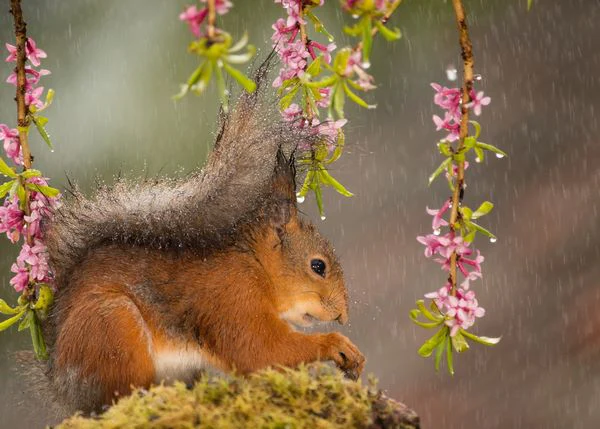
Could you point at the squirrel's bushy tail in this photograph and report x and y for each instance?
(203, 211)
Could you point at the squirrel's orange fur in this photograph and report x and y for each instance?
(137, 304)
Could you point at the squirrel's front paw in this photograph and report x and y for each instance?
(345, 355)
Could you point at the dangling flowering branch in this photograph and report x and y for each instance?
(215, 47)
(454, 308)
(28, 200)
(303, 97)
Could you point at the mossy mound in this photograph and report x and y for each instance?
(315, 396)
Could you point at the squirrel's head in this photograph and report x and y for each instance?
(306, 276)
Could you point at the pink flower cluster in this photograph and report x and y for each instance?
(294, 54)
(462, 308)
(32, 262)
(449, 99)
(195, 17)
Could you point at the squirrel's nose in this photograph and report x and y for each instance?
(342, 318)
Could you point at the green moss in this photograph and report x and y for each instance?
(315, 396)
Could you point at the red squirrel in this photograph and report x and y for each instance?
(159, 280)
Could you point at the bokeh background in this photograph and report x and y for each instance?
(116, 64)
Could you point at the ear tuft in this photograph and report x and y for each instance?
(283, 184)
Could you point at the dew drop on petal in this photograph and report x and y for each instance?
(436, 232)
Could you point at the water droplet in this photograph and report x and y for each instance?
(493, 239)
(499, 155)
(436, 232)
(323, 217)
(477, 159)
(300, 199)
(52, 150)
(355, 16)
(477, 77)
(451, 73)
(365, 65)
(372, 106)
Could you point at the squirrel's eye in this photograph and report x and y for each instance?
(318, 266)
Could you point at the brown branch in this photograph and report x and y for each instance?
(22, 108)
(212, 17)
(467, 56)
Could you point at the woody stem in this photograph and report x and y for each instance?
(457, 195)
(212, 17)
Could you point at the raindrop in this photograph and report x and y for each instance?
(365, 65)
(323, 217)
(52, 150)
(493, 239)
(451, 73)
(499, 155)
(300, 199)
(436, 232)
(355, 16)
(477, 159)
(477, 77)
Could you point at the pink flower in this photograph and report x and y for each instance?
(433, 243)
(478, 100)
(32, 77)
(292, 113)
(292, 8)
(438, 221)
(36, 257)
(21, 279)
(11, 219)
(194, 18)
(12, 53)
(12, 145)
(312, 45)
(282, 31)
(325, 97)
(33, 97)
(447, 98)
(450, 124)
(331, 129)
(462, 310)
(221, 6)
(33, 53)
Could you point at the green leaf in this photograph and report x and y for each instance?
(483, 209)
(221, 89)
(427, 348)
(414, 317)
(449, 355)
(466, 212)
(328, 179)
(338, 100)
(444, 148)
(470, 236)
(482, 230)
(328, 81)
(487, 341)
(388, 34)
(22, 196)
(459, 343)
(319, 27)
(319, 197)
(5, 187)
(306, 186)
(241, 58)
(339, 147)
(470, 142)
(195, 76)
(240, 43)
(37, 338)
(352, 96)
(7, 309)
(46, 190)
(204, 80)
(354, 31)
(367, 39)
(6, 170)
(248, 84)
(26, 322)
(49, 97)
(529, 5)
(315, 67)
(42, 120)
(439, 170)
(9, 322)
(491, 148)
(438, 354)
(479, 153)
(287, 99)
(426, 313)
(32, 172)
(42, 131)
(477, 126)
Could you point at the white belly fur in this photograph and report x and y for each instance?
(179, 363)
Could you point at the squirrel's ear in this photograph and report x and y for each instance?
(283, 186)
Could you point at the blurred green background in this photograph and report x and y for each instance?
(116, 64)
